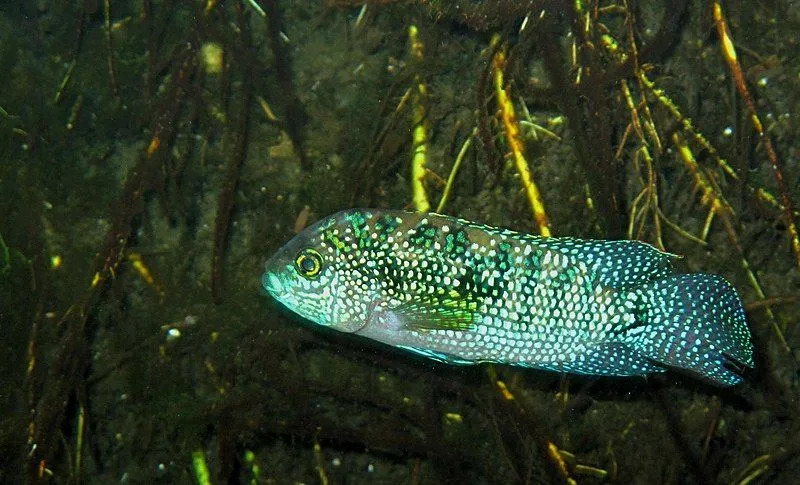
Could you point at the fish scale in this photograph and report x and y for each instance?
(463, 293)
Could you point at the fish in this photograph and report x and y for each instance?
(463, 293)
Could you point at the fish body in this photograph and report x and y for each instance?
(464, 293)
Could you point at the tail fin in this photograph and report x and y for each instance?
(694, 322)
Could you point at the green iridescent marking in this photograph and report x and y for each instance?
(449, 243)
(385, 226)
(424, 236)
(503, 259)
(456, 241)
(571, 274)
(359, 225)
(329, 235)
(536, 259)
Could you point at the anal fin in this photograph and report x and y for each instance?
(610, 359)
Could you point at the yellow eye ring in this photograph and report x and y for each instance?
(308, 263)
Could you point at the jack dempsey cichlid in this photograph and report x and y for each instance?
(465, 293)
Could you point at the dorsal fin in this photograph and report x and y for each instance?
(618, 264)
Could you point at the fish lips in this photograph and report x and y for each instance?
(271, 279)
(272, 284)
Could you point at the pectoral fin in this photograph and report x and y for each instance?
(445, 310)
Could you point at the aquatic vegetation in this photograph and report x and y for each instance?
(154, 152)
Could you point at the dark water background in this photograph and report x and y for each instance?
(142, 185)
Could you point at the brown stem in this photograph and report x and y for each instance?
(227, 194)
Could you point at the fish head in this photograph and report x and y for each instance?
(313, 274)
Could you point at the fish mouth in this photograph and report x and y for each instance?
(271, 280)
(272, 284)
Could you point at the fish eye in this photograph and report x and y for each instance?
(308, 263)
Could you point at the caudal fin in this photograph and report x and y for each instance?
(694, 322)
